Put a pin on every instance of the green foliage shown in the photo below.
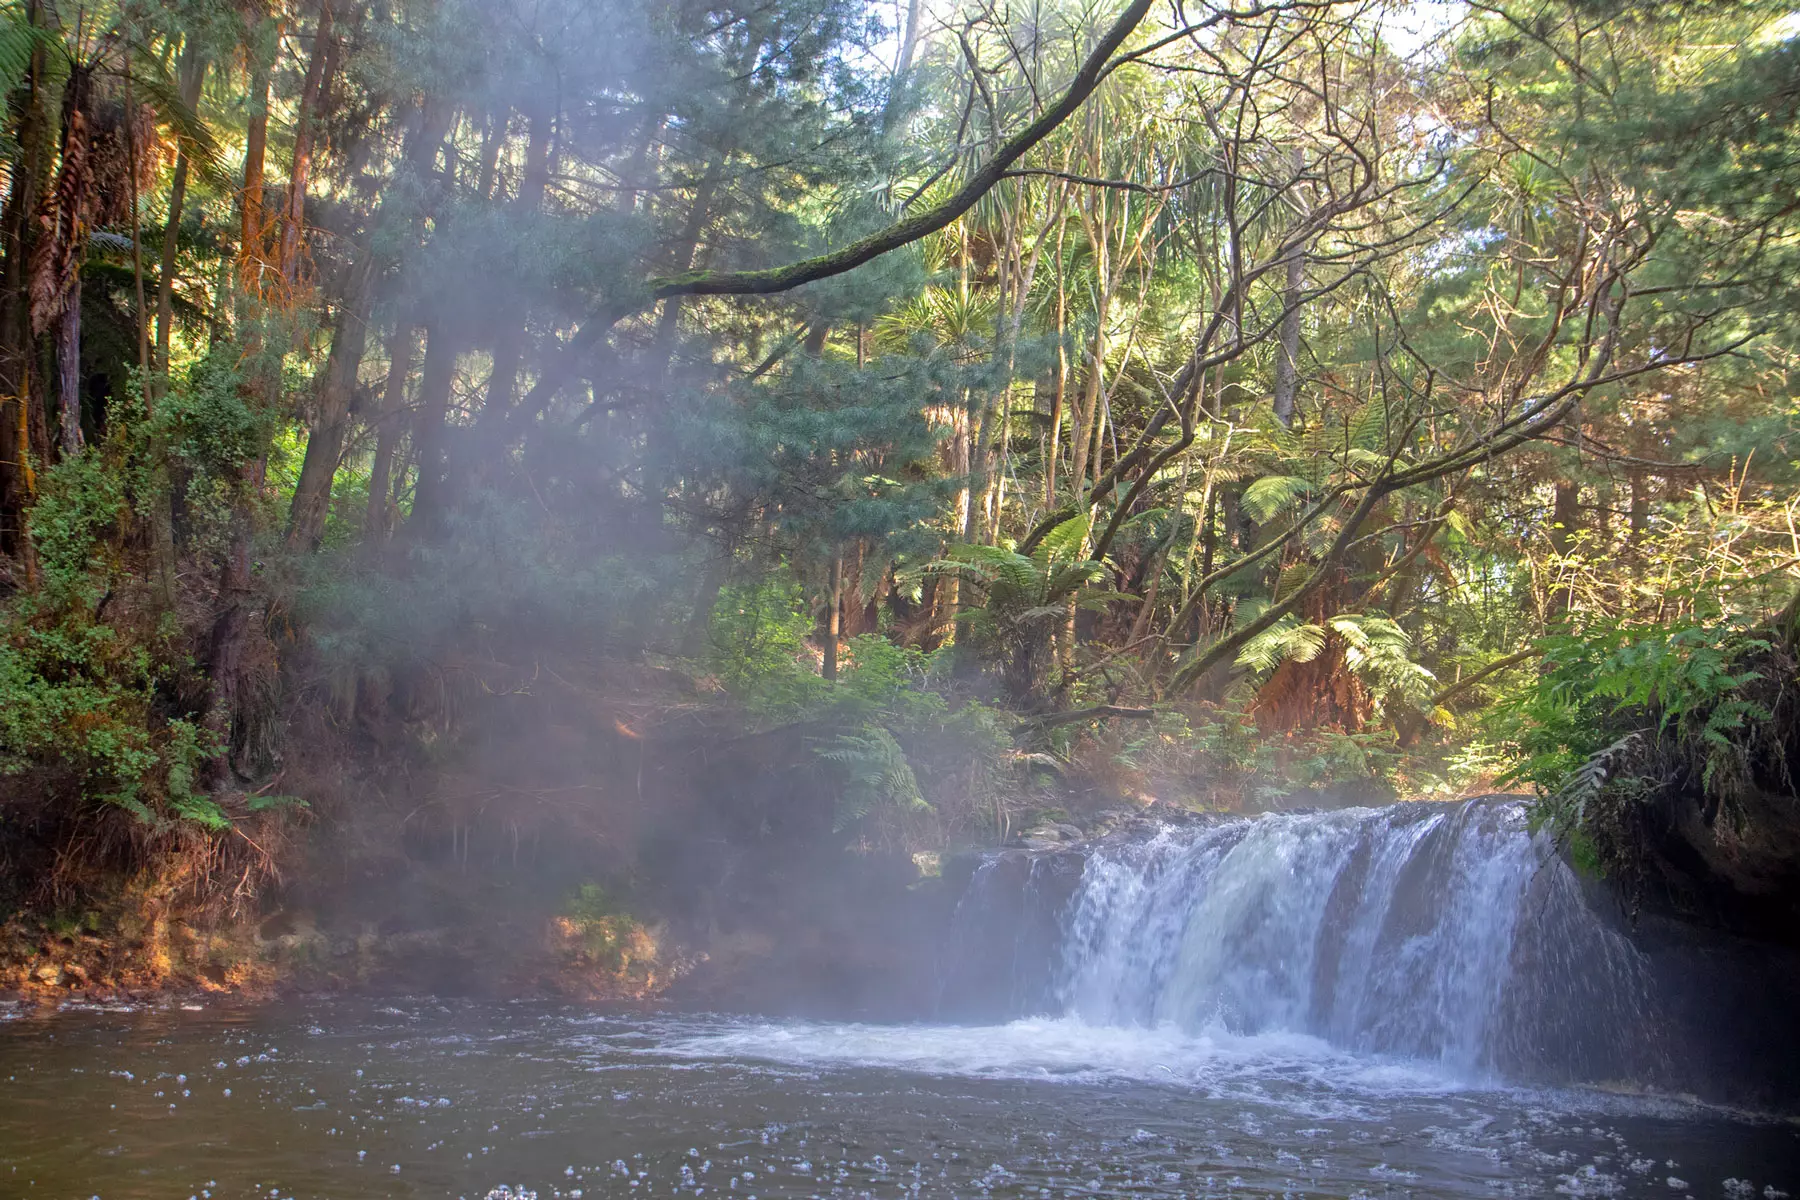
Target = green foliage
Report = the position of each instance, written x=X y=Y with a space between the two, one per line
x=1375 y=649
x=1621 y=710
x=1024 y=597
x=885 y=707
x=878 y=772
x=1274 y=495
x=758 y=639
x=1613 y=679
x=82 y=693
x=606 y=933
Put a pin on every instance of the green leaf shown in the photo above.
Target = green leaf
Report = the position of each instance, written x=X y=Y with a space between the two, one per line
x=1272 y=495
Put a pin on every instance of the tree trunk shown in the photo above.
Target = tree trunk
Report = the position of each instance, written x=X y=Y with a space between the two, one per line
x=331 y=423
x=193 y=74
x=387 y=432
x=1287 y=354
x=833 y=616
x=252 y=248
x=1059 y=387
x=68 y=372
x=1565 y=516
x=312 y=99
x=432 y=429
x=232 y=652
x=1083 y=434
x=509 y=346
x=683 y=258
x=1640 y=507
x=18 y=477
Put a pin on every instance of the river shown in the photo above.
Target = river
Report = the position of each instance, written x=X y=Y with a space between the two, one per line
x=351 y=1099
x=1414 y=1001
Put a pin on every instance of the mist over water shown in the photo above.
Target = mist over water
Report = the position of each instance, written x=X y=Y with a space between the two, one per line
x=349 y=1099
x=1411 y=1001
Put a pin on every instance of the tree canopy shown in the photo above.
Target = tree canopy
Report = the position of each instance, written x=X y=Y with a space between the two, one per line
x=1249 y=395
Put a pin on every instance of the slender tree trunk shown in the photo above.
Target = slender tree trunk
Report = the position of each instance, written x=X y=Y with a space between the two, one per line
x=193 y=74
x=509 y=346
x=1058 y=388
x=833 y=616
x=313 y=94
x=68 y=379
x=1287 y=353
x=325 y=442
x=640 y=159
x=156 y=379
x=387 y=431
x=140 y=312
x=1084 y=431
x=231 y=657
x=18 y=478
x=1640 y=507
x=435 y=382
x=683 y=259
x=1565 y=519
x=252 y=249
x=1208 y=556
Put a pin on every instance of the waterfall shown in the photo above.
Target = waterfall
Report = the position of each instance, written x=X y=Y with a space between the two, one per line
x=1440 y=932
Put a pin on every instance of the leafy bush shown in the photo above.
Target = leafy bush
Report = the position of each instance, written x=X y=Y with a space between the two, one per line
x=81 y=687
x=758 y=641
x=1623 y=710
x=896 y=742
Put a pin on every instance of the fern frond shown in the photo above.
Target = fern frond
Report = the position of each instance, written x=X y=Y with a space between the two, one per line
x=1273 y=495
x=1066 y=540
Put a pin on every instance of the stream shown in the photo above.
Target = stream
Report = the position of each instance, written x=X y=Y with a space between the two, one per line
x=350 y=1099
x=1419 y=1000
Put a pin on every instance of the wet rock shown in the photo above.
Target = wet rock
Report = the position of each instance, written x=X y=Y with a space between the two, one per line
x=48 y=973
x=75 y=975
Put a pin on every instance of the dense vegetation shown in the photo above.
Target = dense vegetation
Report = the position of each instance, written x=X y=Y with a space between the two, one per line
x=1199 y=401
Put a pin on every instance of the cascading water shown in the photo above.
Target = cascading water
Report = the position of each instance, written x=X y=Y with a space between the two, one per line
x=1443 y=933
x=1388 y=930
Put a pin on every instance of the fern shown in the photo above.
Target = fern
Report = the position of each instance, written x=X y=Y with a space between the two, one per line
x=1376 y=650
x=1273 y=495
x=878 y=775
x=1066 y=540
x=1367 y=429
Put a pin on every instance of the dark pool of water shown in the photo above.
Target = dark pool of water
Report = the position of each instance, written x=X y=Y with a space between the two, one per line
x=351 y=1099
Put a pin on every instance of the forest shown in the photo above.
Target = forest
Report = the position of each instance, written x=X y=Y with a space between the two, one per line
x=425 y=425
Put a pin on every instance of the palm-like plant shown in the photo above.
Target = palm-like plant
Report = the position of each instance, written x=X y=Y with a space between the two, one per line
x=1024 y=597
x=1377 y=666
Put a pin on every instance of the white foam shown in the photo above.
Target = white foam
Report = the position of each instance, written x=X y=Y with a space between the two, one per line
x=1068 y=1050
